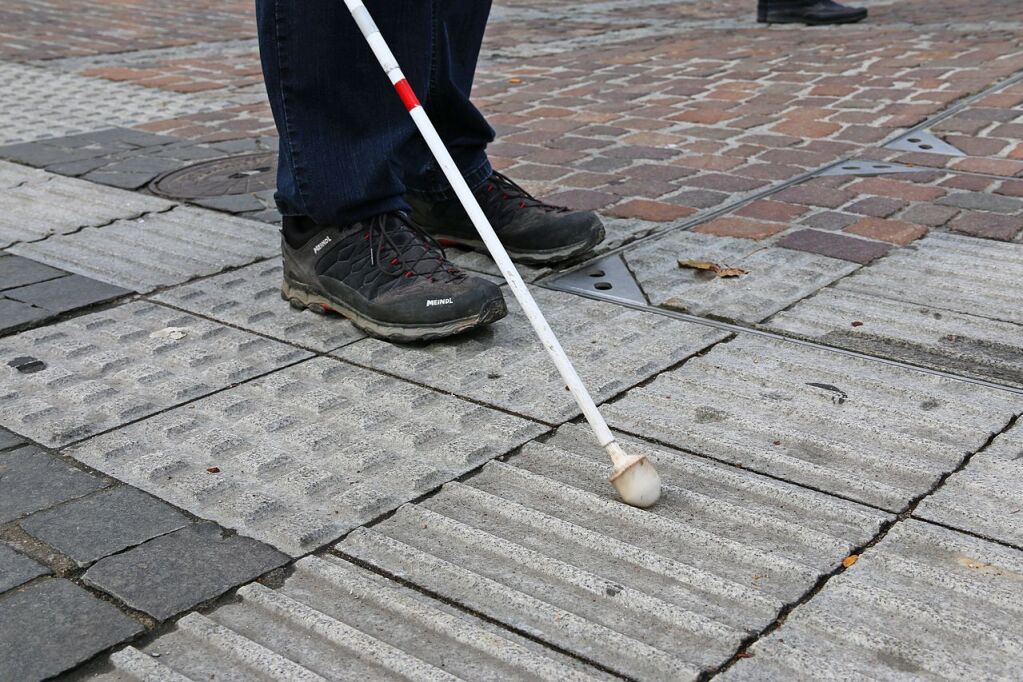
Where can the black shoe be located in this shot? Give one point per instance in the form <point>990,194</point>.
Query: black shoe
<point>391,280</point>
<point>811,12</point>
<point>532,232</point>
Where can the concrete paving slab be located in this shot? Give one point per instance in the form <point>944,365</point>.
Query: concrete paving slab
<point>250,298</point>
<point>950,272</point>
<point>103,370</point>
<point>31,479</point>
<point>36,210</point>
<point>813,417</point>
<point>54,625</point>
<point>917,334</point>
<point>776,278</point>
<point>65,294</point>
<point>13,175</point>
<point>540,544</point>
<point>307,453</point>
<point>334,621</point>
<point>18,272</point>
<point>40,103</point>
<point>174,572</point>
<point>986,497</point>
<point>612,347</point>
<point>17,569</point>
<point>16,315</point>
<point>158,250</point>
<point>924,603</point>
<point>99,525</point>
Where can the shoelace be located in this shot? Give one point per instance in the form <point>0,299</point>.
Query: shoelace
<point>502,193</point>
<point>397,257</point>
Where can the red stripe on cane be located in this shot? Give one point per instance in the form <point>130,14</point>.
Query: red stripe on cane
<point>406,94</point>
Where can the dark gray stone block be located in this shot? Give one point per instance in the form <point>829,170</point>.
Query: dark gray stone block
<point>175,572</point>
<point>15,314</point>
<point>8,439</point>
<point>51,627</point>
<point>93,527</point>
<point>66,293</point>
<point>17,569</point>
<point>834,246</point>
<point>16,271</point>
<point>31,480</point>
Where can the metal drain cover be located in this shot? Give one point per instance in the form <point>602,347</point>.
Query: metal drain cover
<point>229,176</point>
<point>607,278</point>
<point>923,141</point>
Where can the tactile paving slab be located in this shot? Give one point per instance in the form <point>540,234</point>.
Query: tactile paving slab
<point>37,103</point>
<point>951,272</point>
<point>917,334</point>
<point>986,497</point>
<point>43,205</point>
<point>540,544</point>
<point>612,348</point>
<point>334,621</point>
<point>813,416</point>
<point>306,453</point>
<point>775,278</point>
<point>924,603</point>
<point>99,371</point>
<point>13,175</point>
<point>158,250</point>
<point>251,298</point>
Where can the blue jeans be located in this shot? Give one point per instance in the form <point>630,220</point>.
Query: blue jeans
<point>348,148</point>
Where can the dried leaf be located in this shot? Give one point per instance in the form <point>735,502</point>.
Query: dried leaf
<point>719,270</point>
<point>213,470</point>
<point>514,81</point>
<point>850,560</point>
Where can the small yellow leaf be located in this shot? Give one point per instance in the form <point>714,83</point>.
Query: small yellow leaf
<point>514,81</point>
<point>850,560</point>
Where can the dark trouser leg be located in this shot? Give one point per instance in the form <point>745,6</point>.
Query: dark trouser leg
<point>346,139</point>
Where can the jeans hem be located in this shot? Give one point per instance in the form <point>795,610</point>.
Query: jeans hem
<point>442,190</point>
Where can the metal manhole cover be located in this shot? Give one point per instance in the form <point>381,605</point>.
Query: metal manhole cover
<point>242,174</point>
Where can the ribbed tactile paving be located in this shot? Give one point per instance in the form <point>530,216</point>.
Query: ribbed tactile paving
<point>986,497</point>
<point>924,603</point>
<point>334,621</point>
<point>776,278</point>
<point>306,453</point>
<point>109,368</point>
<point>909,332</point>
<point>951,272</point>
<point>540,544</point>
<point>41,207</point>
<point>612,347</point>
<point>159,250</point>
<point>251,298</point>
<point>814,417</point>
<point>13,175</point>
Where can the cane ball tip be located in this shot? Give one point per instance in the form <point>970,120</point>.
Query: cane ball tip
<point>638,484</point>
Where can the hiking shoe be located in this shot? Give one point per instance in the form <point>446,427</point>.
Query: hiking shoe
<point>532,232</point>
<point>390,279</point>
<point>811,12</point>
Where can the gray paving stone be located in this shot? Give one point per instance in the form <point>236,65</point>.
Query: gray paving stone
<point>111,367</point>
<point>950,272</point>
<point>334,621</point>
<point>612,348</point>
<point>980,201</point>
<point>251,298</point>
<point>541,544</point>
<point>16,271</point>
<point>96,526</point>
<point>54,625</point>
<point>31,480</point>
<point>775,278</point>
<point>63,205</point>
<point>159,250</point>
<point>15,315</point>
<point>66,293</point>
<point>306,453</point>
<point>17,569</point>
<point>924,603</point>
<point>930,337</point>
<point>986,497</point>
<point>174,572</point>
<point>834,245</point>
<point>39,103</point>
<point>9,440</point>
<point>813,417</point>
<point>13,175</point>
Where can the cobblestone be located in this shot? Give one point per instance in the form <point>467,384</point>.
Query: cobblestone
<point>17,569</point>
<point>31,479</point>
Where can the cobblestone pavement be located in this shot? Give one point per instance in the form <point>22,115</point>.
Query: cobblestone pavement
<point>197,482</point>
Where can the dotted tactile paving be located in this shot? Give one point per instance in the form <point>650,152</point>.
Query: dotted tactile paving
<point>99,371</point>
<point>306,453</point>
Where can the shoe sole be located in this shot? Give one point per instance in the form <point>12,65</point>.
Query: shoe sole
<point>528,257</point>
<point>812,22</point>
<point>302,297</point>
